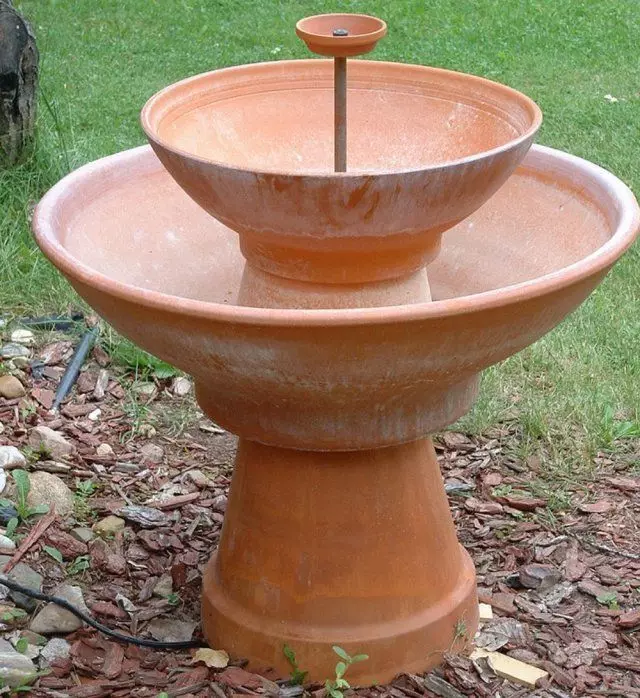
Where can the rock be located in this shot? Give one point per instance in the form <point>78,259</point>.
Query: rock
<point>163,587</point>
<point>104,451</point>
<point>148,431</point>
<point>539,577</point>
<point>95,416</point>
<point>53,441</point>
<point>11,387</point>
<point>84,535</point>
<point>56,648</point>
<point>24,337</point>
<point>22,574</point>
<point>108,527</point>
<point>181,386</point>
<point>11,351</point>
<point>20,362</point>
<point>171,630</point>
<point>630,619</point>
<point>102,382</point>
<point>15,668</point>
<point>146,390</point>
<point>68,546</point>
<point>144,516</point>
<point>152,453</point>
<point>33,638</point>
<point>6,543</point>
<point>50,489</point>
<point>54,619</point>
<point>10,458</point>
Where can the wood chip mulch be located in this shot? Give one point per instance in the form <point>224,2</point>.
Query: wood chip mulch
<point>564,584</point>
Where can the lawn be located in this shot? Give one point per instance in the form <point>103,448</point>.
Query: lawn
<point>573,393</point>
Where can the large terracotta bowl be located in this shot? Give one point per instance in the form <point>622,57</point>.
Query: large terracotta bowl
<point>253,145</point>
<point>330,538</point>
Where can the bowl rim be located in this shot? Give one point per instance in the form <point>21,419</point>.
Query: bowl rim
<point>540,158</point>
<point>146,120</point>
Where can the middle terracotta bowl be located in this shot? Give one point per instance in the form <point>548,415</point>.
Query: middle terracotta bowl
<point>253,145</point>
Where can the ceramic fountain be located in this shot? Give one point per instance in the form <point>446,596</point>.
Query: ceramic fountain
<point>335,286</point>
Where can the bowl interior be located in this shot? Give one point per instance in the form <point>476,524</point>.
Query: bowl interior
<point>278,117</point>
<point>144,231</point>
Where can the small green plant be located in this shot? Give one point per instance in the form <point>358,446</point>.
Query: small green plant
<point>297,676</point>
<point>162,695</point>
<point>335,687</point>
<point>53,552</point>
<point>12,615</point>
<point>78,566</point>
<point>25,512</point>
<point>82,510</point>
<point>609,599</point>
<point>174,599</point>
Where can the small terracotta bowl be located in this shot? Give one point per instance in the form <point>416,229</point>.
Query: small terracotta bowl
<point>364,32</point>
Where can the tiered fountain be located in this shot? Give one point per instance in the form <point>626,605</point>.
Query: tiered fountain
<point>328,321</point>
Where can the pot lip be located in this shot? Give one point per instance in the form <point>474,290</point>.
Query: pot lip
<point>527,136</point>
<point>621,199</point>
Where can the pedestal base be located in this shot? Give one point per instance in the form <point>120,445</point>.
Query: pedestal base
<point>352,549</point>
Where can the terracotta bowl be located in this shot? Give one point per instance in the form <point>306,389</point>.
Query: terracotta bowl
<point>167,275</point>
<point>253,145</point>
<point>329,539</point>
<point>364,32</point>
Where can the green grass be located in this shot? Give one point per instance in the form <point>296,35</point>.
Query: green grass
<point>573,392</point>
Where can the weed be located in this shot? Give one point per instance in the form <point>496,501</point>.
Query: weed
<point>13,615</point>
<point>53,552</point>
<point>609,599</point>
<point>78,566</point>
<point>24,511</point>
<point>297,676</point>
<point>335,687</point>
<point>174,599</point>
<point>82,510</point>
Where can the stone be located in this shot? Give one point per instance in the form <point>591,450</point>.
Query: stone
<point>171,630</point>
<point>152,453</point>
<point>10,458</point>
<point>6,543</point>
<point>50,489</point>
<point>181,386</point>
<point>147,431</point>
<point>83,534</point>
<point>54,619</point>
<point>56,648</point>
<point>11,387</point>
<point>24,337</point>
<point>539,577</point>
<point>22,574</point>
<point>20,362</point>
<point>95,416</point>
<point>163,587</point>
<point>53,441</point>
<point>146,390</point>
<point>108,527</point>
<point>11,351</point>
<point>15,668</point>
<point>199,479</point>
<point>485,612</point>
<point>104,451</point>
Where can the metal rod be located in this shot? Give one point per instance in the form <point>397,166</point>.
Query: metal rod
<point>340,109</point>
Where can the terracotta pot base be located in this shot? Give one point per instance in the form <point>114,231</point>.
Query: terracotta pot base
<point>356,549</point>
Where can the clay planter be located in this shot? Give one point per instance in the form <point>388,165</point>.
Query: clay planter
<point>337,529</point>
<point>253,146</point>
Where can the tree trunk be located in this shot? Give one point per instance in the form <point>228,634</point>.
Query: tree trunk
<point>18,84</point>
